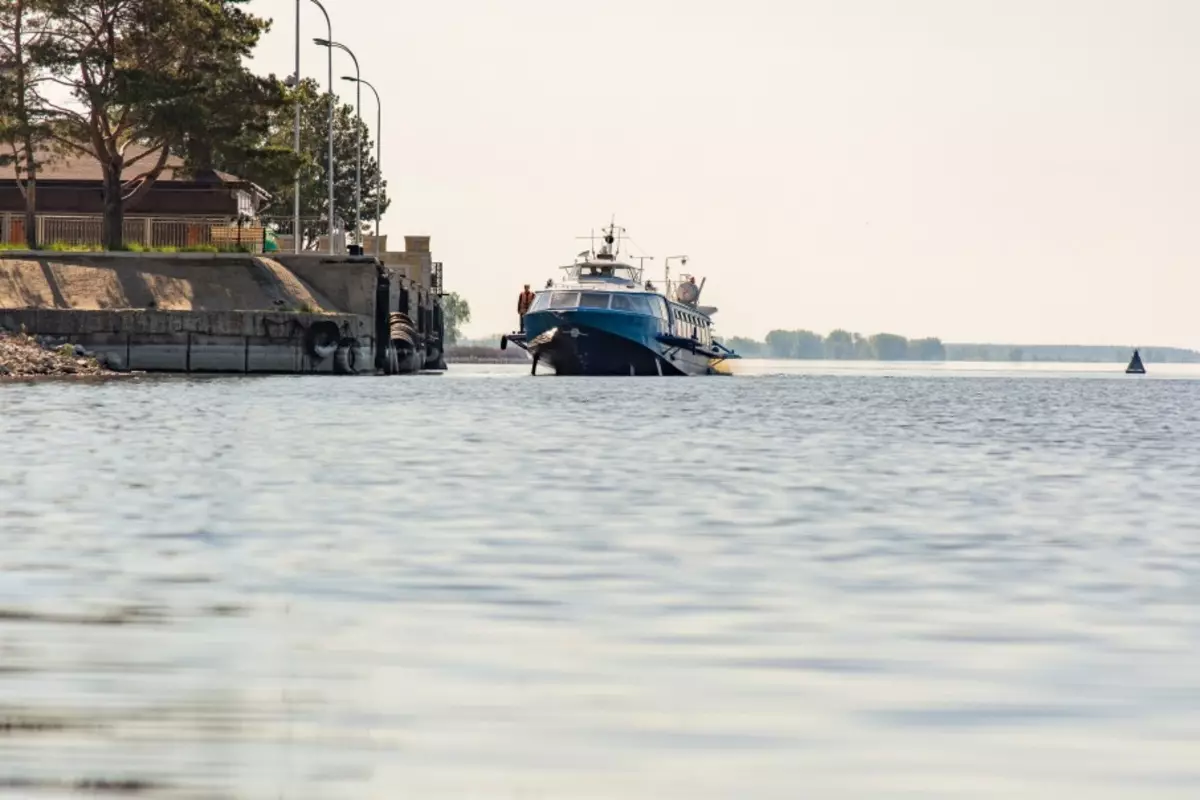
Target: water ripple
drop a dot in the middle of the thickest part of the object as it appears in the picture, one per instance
(846, 582)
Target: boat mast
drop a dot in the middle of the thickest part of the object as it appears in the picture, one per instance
(667, 276)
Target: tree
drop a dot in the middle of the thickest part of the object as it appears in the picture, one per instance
(930, 349)
(146, 78)
(795, 344)
(839, 344)
(809, 345)
(746, 348)
(457, 312)
(889, 347)
(23, 131)
(313, 165)
(781, 344)
(864, 348)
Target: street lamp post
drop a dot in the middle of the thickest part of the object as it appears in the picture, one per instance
(378, 152)
(329, 27)
(296, 141)
(358, 128)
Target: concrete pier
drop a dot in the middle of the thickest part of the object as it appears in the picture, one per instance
(209, 341)
(226, 313)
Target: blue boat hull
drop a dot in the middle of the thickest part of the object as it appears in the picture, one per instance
(605, 342)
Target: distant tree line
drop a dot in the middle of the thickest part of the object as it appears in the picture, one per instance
(846, 346)
(840, 345)
(1078, 354)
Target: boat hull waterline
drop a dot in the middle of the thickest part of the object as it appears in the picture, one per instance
(584, 350)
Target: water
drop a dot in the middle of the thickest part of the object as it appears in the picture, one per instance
(842, 581)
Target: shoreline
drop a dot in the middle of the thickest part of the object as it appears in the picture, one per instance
(23, 356)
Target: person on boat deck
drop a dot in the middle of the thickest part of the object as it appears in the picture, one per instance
(524, 301)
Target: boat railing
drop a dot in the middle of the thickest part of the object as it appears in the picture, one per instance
(604, 271)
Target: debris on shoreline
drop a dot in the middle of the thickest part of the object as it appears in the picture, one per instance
(24, 356)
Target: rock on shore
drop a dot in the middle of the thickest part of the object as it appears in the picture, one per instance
(24, 356)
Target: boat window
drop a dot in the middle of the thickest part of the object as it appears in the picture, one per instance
(622, 302)
(637, 303)
(594, 300)
(540, 301)
(658, 304)
(564, 300)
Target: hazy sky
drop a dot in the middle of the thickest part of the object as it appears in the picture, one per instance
(1015, 171)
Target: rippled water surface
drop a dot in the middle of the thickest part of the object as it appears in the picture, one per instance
(826, 583)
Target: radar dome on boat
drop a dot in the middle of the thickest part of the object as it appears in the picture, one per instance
(687, 293)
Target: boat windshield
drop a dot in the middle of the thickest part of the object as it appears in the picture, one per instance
(617, 301)
(637, 303)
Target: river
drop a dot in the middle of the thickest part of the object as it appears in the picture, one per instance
(810, 580)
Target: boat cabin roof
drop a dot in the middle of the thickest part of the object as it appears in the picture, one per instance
(605, 271)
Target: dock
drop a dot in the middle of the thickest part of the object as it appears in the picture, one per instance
(236, 313)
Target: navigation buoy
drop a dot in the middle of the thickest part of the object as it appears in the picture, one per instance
(1135, 365)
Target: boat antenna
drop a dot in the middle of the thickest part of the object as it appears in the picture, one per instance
(642, 265)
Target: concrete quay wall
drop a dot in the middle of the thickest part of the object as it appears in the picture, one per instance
(209, 341)
(225, 312)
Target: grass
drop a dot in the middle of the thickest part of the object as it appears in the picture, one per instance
(132, 247)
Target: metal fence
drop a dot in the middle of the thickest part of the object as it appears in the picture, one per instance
(151, 233)
(314, 234)
(178, 233)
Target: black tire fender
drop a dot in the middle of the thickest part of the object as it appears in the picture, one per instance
(321, 339)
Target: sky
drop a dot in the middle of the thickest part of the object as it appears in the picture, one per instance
(1018, 172)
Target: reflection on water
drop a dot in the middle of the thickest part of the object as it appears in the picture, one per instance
(820, 580)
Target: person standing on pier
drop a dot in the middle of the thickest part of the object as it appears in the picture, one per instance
(524, 301)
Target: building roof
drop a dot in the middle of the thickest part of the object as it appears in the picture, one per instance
(71, 166)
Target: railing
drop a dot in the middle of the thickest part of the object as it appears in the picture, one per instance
(176, 233)
(151, 233)
(314, 234)
(436, 278)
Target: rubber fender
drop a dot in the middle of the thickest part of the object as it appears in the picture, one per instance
(321, 339)
(400, 327)
(408, 362)
(400, 318)
(403, 337)
(346, 357)
(397, 334)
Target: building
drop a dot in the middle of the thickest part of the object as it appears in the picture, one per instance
(179, 210)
